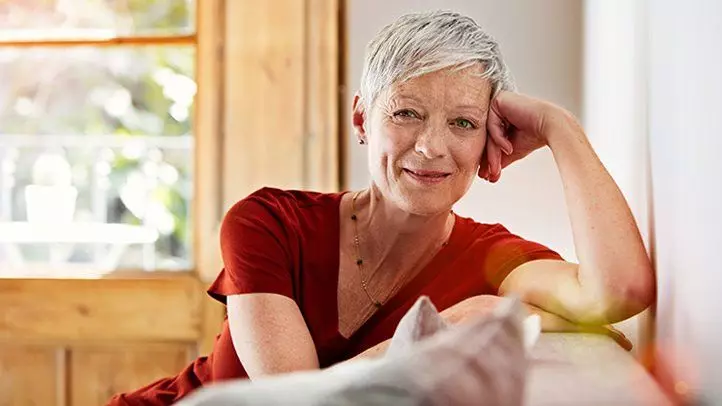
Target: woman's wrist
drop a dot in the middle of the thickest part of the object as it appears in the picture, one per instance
(566, 135)
(561, 127)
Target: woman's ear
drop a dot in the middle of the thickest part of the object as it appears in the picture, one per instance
(359, 118)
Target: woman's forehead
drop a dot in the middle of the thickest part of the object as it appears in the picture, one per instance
(457, 87)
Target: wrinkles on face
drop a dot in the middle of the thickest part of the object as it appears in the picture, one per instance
(434, 122)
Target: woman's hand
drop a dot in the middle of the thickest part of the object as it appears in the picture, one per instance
(517, 126)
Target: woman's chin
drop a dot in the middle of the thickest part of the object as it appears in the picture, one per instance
(425, 202)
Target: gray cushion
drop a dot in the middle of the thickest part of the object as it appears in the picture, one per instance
(479, 363)
(421, 321)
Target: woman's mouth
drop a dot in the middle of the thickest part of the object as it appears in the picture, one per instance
(425, 177)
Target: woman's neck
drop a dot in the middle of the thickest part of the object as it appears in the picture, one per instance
(397, 239)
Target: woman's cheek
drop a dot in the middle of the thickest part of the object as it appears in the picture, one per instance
(398, 140)
(469, 155)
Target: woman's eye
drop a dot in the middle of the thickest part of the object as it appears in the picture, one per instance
(406, 114)
(464, 123)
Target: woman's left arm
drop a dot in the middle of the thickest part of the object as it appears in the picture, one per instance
(479, 306)
(614, 279)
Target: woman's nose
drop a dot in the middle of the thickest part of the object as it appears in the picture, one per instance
(431, 142)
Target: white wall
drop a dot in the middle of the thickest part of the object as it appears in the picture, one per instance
(615, 98)
(685, 123)
(542, 43)
(614, 107)
(653, 110)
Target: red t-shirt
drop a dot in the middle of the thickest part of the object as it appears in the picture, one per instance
(287, 242)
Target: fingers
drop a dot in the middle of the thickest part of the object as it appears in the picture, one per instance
(496, 128)
(520, 111)
(484, 167)
(553, 323)
(610, 332)
(619, 337)
(493, 154)
(498, 161)
(497, 146)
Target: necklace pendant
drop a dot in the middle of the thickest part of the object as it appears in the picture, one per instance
(377, 305)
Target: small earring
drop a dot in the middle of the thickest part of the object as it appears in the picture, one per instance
(361, 141)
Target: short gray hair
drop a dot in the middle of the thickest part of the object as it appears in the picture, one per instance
(420, 43)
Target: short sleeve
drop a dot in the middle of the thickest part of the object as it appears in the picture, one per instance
(255, 251)
(505, 251)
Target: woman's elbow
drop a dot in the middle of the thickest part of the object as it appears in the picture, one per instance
(630, 298)
(640, 293)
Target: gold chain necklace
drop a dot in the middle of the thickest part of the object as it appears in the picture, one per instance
(359, 260)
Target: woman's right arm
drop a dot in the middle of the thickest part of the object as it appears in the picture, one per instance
(269, 334)
(267, 329)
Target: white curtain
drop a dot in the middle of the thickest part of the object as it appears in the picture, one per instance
(653, 108)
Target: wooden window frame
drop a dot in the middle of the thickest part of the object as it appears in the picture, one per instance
(207, 129)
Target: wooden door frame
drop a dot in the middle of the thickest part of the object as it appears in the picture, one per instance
(210, 115)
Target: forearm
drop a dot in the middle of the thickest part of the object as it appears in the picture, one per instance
(269, 335)
(476, 307)
(614, 272)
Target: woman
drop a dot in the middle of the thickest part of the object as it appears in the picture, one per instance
(314, 279)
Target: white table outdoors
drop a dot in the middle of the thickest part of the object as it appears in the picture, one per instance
(117, 236)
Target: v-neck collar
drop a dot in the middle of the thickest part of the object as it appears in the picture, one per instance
(411, 288)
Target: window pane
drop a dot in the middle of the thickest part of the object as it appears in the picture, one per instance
(96, 142)
(94, 19)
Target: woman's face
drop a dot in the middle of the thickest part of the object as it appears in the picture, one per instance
(425, 138)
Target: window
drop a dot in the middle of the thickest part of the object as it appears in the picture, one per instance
(96, 135)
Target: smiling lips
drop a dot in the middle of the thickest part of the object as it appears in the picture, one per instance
(426, 177)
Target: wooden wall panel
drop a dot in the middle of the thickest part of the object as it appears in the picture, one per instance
(31, 376)
(322, 148)
(264, 96)
(90, 310)
(98, 373)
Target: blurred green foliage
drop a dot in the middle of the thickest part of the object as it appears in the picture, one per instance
(128, 92)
